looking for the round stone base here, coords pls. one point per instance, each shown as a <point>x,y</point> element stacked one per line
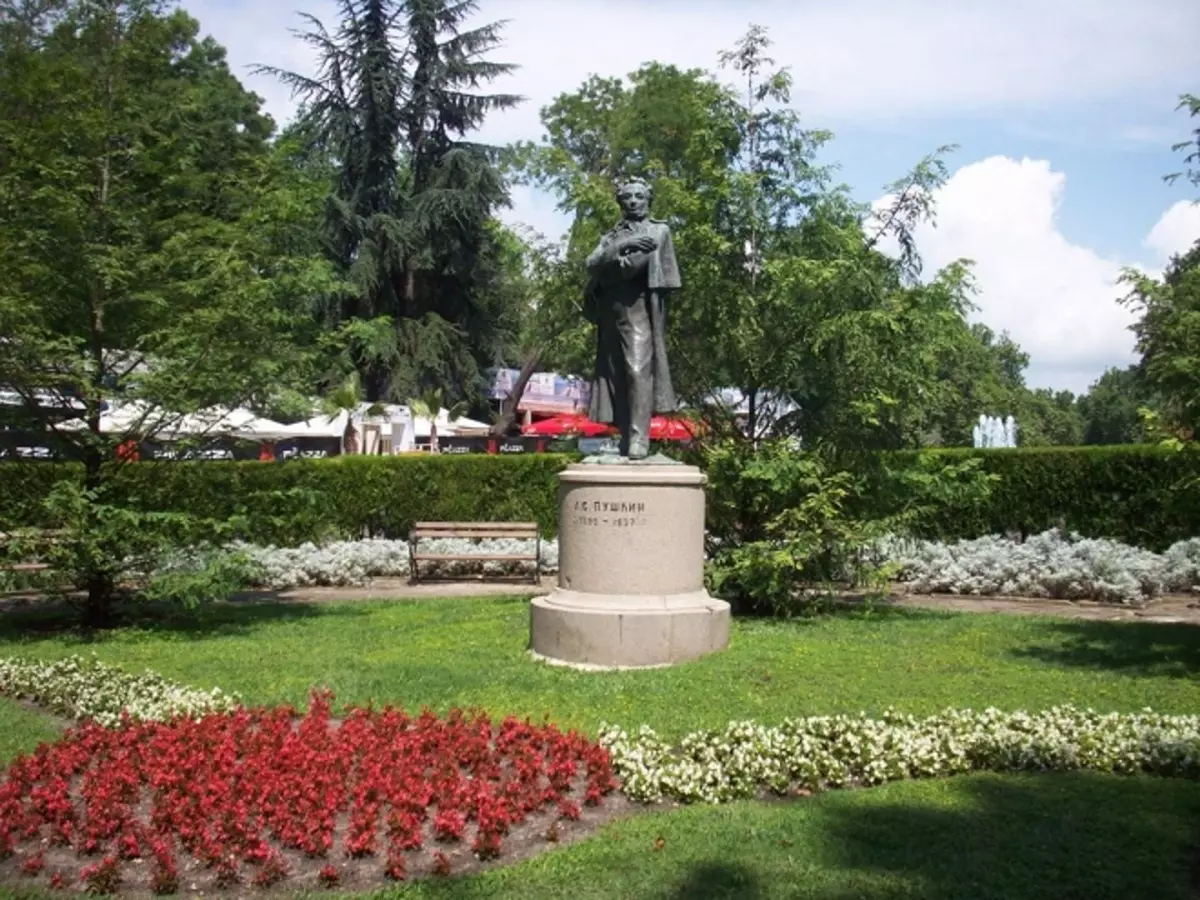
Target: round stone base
<point>607,631</point>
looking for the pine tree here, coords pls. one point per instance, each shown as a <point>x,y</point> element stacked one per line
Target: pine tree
<point>410,215</point>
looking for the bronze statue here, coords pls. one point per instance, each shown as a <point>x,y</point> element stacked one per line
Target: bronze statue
<point>630,274</point>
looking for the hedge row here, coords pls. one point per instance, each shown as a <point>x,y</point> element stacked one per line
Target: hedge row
<point>1144,496</point>
<point>300,500</point>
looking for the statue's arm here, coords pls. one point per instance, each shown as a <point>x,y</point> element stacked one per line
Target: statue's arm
<point>605,254</point>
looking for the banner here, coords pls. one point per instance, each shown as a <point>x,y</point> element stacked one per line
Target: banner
<point>545,392</point>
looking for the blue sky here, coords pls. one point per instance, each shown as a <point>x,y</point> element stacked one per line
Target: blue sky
<point>1063,110</point>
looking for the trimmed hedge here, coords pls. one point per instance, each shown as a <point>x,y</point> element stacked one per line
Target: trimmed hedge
<point>301,500</point>
<point>1141,495</point>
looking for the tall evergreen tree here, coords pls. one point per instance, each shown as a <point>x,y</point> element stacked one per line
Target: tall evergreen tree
<point>393,102</point>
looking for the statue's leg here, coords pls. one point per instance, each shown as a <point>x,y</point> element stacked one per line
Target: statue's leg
<point>637,344</point>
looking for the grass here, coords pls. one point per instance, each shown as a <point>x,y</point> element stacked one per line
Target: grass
<point>472,653</point>
<point>1043,837</point>
<point>984,836</point>
<point>22,729</point>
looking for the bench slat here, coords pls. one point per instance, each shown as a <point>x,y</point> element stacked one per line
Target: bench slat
<point>25,567</point>
<point>475,526</point>
<point>495,535</point>
<point>474,530</point>
<point>467,557</point>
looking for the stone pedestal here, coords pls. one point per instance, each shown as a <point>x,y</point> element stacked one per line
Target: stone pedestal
<point>631,570</point>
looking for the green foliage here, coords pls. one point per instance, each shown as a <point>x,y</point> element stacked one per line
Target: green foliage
<point>1168,338</point>
<point>786,289</point>
<point>1190,148</point>
<point>781,522</point>
<point>154,252</point>
<point>1110,408</point>
<point>1134,494</point>
<point>302,500</point>
<point>409,215</point>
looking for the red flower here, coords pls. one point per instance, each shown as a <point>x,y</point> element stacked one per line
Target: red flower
<point>253,786</point>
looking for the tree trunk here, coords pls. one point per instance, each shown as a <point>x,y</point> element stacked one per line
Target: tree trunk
<point>752,416</point>
<point>97,581</point>
<point>508,406</point>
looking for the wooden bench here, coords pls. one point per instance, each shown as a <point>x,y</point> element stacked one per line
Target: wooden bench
<point>45,535</point>
<point>474,531</point>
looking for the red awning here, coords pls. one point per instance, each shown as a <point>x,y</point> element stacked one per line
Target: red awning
<point>670,428</point>
<point>662,428</point>
<point>560,426</point>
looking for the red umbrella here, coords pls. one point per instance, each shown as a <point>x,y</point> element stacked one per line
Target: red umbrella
<point>567,424</point>
<point>669,428</point>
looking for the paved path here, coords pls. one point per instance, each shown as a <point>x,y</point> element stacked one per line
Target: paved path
<point>1171,608</point>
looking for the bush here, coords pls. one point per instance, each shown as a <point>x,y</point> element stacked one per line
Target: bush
<point>1133,494</point>
<point>89,689</point>
<point>1051,564</point>
<point>781,521</point>
<point>289,503</point>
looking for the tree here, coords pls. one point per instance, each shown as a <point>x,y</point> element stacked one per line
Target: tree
<point>1191,147</point>
<point>982,374</point>
<point>1110,408</point>
<point>1168,339</point>
<point>786,291</point>
<point>410,215</point>
<point>430,405</point>
<point>151,252</point>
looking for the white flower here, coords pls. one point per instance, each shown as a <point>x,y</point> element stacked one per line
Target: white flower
<point>89,689</point>
<point>834,751</point>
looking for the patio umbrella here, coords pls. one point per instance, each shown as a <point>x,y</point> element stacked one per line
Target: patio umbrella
<point>567,424</point>
<point>669,428</point>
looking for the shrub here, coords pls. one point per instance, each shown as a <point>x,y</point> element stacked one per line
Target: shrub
<point>344,563</point>
<point>289,503</point>
<point>779,521</point>
<point>1051,564</point>
<point>1129,493</point>
<point>1133,494</point>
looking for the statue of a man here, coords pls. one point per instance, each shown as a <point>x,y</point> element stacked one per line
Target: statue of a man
<point>630,274</point>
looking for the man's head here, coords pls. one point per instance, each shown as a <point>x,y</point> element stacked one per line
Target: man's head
<point>635,197</point>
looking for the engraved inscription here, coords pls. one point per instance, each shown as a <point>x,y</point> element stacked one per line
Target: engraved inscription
<point>608,513</point>
<point>610,506</point>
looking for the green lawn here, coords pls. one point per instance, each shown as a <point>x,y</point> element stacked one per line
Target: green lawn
<point>472,653</point>
<point>982,837</point>
<point>22,729</point>
<point>1081,836</point>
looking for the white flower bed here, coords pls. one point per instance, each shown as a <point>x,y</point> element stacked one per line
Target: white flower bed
<point>1051,564</point>
<point>837,751</point>
<point>89,689</point>
<point>354,562</point>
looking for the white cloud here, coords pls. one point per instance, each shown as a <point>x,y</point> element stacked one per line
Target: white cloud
<point>1175,232</point>
<point>850,58</point>
<point>1057,299</point>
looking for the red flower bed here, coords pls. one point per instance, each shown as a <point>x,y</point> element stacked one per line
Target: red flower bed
<point>261,797</point>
